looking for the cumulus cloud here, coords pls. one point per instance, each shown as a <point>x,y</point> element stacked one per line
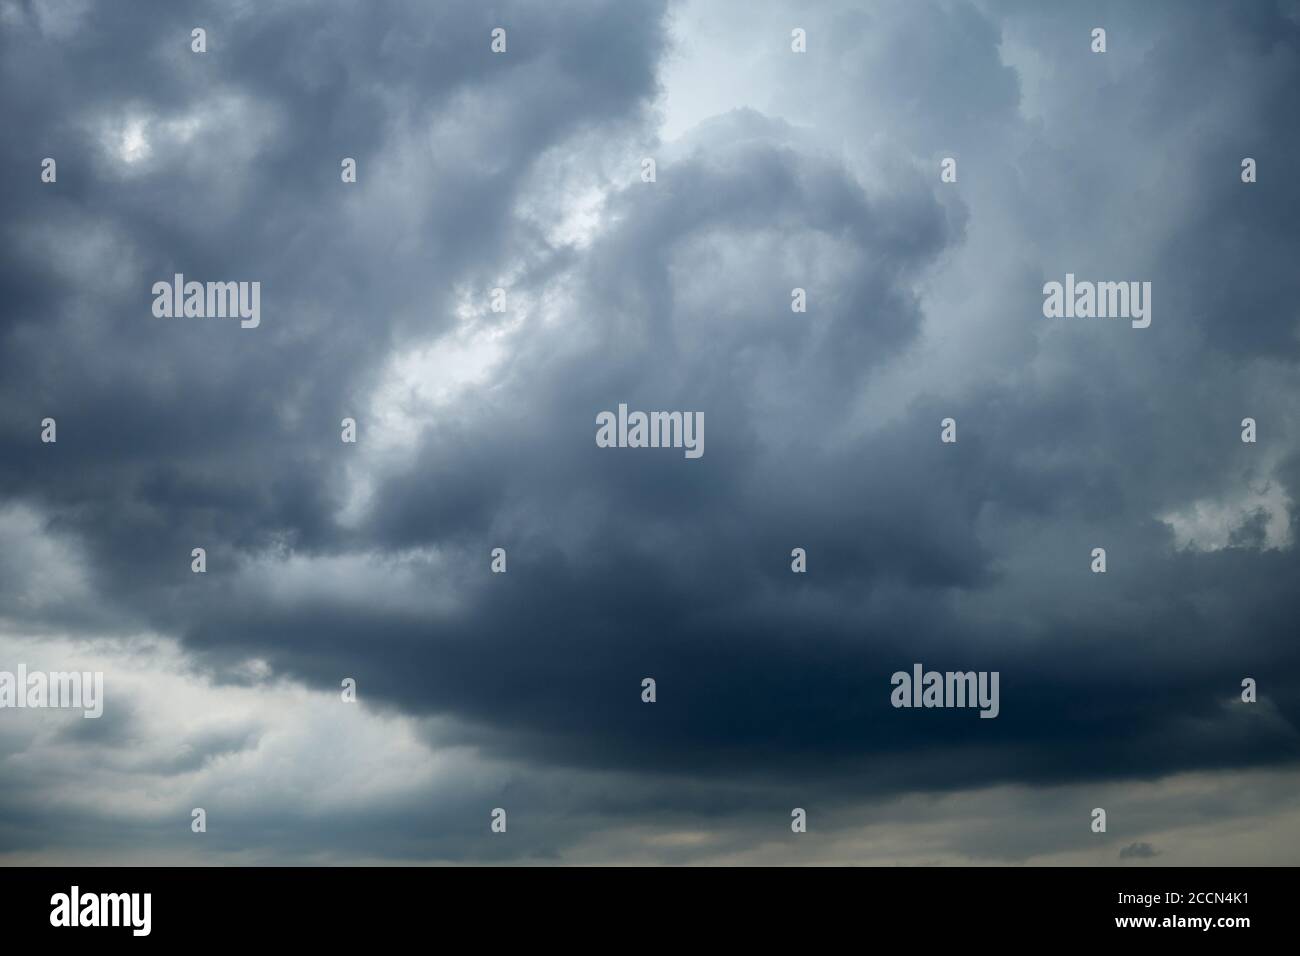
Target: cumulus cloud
<point>774,171</point>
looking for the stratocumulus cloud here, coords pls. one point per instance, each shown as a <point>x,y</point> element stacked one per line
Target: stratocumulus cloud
<point>502,268</point>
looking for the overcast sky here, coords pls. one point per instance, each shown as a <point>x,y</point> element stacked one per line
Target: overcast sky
<point>476,430</point>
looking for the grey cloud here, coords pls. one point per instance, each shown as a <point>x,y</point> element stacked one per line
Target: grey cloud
<point>822,428</point>
<point>1138,851</point>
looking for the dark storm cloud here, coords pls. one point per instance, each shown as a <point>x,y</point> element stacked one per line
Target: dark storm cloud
<point>170,434</point>
<point>625,564</point>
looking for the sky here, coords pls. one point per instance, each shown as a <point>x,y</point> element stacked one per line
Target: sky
<point>524,171</point>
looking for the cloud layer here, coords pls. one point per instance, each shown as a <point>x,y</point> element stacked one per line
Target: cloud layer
<point>774,170</point>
